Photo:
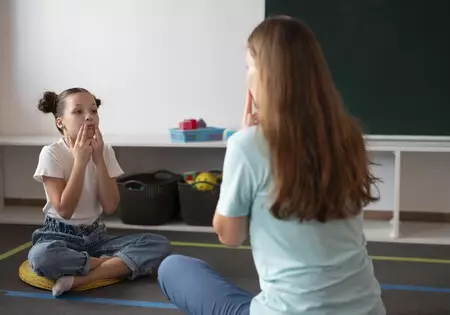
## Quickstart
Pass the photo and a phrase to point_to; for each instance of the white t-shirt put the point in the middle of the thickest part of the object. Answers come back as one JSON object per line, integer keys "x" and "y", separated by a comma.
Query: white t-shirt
{"x": 56, "y": 160}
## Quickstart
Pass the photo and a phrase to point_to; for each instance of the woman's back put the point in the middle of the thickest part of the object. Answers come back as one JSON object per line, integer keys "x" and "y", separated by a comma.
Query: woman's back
{"x": 296, "y": 185}
{"x": 309, "y": 267}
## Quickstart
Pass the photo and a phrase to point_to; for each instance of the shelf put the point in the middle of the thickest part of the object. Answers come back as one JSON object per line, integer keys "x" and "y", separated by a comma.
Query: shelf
{"x": 374, "y": 143}
{"x": 35, "y": 216}
{"x": 115, "y": 141}
{"x": 375, "y": 231}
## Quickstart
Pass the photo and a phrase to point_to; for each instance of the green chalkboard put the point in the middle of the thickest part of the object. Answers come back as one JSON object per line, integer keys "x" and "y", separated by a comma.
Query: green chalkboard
{"x": 390, "y": 59}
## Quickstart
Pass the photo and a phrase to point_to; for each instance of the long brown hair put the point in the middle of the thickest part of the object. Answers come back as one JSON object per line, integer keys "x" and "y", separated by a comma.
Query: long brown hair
{"x": 319, "y": 162}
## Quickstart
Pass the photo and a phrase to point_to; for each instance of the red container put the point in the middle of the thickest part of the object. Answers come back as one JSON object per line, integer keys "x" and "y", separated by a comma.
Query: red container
{"x": 188, "y": 124}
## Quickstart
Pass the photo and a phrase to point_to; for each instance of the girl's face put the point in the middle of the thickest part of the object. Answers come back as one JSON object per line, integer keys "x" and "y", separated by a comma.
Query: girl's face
{"x": 252, "y": 76}
{"x": 80, "y": 108}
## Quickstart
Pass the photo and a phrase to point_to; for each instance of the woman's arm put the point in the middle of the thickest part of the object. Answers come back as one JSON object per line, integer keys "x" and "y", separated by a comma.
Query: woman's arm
{"x": 108, "y": 191}
{"x": 237, "y": 191}
{"x": 232, "y": 231}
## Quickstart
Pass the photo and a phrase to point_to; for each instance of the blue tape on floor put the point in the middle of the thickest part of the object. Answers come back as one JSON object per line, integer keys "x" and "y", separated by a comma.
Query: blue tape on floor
{"x": 48, "y": 296}
{"x": 401, "y": 287}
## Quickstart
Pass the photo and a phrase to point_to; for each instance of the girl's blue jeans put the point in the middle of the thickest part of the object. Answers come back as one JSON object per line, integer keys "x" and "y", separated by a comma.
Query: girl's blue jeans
{"x": 60, "y": 249}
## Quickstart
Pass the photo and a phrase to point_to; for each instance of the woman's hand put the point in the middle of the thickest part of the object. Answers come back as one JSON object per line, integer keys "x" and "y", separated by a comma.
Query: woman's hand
{"x": 97, "y": 146}
{"x": 82, "y": 148}
{"x": 249, "y": 118}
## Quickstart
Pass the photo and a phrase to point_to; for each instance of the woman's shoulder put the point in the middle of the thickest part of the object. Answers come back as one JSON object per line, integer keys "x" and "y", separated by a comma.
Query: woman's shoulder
{"x": 246, "y": 137}
{"x": 249, "y": 141}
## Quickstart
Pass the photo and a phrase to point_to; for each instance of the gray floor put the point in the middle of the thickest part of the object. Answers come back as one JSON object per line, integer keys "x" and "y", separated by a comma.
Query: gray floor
{"x": 240, "y": 269}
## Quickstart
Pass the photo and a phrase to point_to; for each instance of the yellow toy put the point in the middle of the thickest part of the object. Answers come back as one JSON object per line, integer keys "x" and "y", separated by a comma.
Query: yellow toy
{"x": 205, "y": 181}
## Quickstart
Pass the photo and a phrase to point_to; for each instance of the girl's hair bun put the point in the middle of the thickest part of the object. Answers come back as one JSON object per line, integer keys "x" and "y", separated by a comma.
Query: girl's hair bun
{"x": 48, "y": 102}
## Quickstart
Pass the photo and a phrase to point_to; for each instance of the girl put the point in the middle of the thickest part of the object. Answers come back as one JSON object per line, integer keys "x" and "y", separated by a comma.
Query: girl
{"x": 295, "y": 183}
{"x": 78, "y": 173}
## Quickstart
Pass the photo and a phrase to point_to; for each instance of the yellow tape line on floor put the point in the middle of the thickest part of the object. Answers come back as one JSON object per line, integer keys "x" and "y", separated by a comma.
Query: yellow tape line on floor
{"x": 213, "y": 245}
{"x": 15, "y": 250}
{"x": 384, "y": 258}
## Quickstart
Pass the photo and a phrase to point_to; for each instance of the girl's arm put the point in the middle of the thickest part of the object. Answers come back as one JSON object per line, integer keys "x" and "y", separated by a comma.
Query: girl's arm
{"x": 65, "y": 196}
{"x": 108, "y": 191}
{"x": 107, "y": 169}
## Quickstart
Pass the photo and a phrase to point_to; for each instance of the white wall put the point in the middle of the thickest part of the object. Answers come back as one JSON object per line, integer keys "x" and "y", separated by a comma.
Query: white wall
{"x": 165, "y": 67}
{"x": 426, "y": 182}
{"x": 5, "y": 60}
{"x": 152, "y": 62}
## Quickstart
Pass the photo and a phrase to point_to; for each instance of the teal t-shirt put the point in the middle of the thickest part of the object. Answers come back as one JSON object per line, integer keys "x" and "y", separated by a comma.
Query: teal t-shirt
{"x": 307, "y": 268}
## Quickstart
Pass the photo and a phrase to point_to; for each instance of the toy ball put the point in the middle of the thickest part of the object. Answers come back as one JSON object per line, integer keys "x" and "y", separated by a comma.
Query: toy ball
{"x": 205, "y": 181}
{"x": 189, "y": 178}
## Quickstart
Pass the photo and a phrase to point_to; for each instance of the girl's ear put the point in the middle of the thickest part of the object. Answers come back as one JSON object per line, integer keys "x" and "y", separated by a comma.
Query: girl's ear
{"x": 59, "y": 123}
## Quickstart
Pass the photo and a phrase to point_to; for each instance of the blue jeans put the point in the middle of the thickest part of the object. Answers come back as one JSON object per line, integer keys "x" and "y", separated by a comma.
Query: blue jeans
{"x": 60, "y": 249}
{"x": 195, "y": 288}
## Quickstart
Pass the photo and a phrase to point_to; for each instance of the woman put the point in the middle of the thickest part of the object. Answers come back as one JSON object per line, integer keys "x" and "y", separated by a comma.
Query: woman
{"x": 296, "y": 183}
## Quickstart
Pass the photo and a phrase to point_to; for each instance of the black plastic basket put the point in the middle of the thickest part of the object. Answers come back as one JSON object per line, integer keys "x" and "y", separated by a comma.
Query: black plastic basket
{"x": 197, "y": 207}
{"x": 149, "y": 198}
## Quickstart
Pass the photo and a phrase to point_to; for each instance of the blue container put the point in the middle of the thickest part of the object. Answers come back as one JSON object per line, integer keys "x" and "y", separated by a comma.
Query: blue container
{"x": 228, "y": 133}
{"x": 197, "y": 135}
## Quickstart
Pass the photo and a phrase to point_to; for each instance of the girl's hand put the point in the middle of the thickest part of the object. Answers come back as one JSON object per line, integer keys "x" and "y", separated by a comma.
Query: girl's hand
{"x": 97, "y": 146}
{"x": 249, "y": 118}
{"x": 81, "y": 149}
